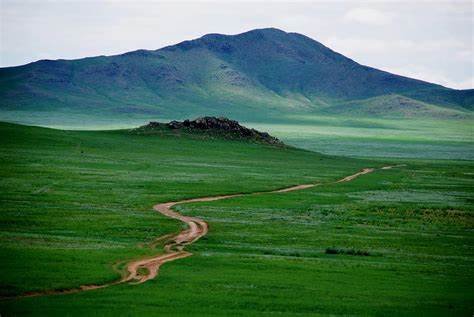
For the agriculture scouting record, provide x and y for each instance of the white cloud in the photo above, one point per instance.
(446, 61)
(367, 16)
(464, 55)
(465, 84)
(432, 76)
(355, 45)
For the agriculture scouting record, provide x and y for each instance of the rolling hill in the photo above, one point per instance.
(264, 73)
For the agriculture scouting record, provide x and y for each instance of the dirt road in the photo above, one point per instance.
(142, 270)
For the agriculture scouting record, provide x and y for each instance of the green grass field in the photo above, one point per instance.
(376, 137)
(354, 136)
(75, 203)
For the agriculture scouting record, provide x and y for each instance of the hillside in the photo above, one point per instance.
(393, 106)
(258, 74)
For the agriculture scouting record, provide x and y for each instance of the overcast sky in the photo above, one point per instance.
(427, 40)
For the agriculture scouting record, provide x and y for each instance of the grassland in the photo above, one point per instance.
(375, 137)
(357, 136)
(71, 195)
(74, 203)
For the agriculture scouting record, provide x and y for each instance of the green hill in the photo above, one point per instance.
(392, 106)
(260, 74)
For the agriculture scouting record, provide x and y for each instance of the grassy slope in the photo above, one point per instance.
(396, 106)
(86, 196)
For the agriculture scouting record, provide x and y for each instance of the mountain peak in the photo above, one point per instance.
(269, 30)
(211, 39)
(264, 31)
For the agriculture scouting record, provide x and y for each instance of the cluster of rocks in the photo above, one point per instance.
(217, 126)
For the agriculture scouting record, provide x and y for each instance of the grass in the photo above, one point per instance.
(347, 251)
(369, 137)
(70, 195)
(374, 137)
(75, 203)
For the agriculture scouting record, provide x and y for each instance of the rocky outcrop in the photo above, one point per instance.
(223, 127)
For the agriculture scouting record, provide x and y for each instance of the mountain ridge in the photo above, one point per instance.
(263, 72)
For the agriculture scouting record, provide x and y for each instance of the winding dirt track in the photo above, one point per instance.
(142, 270)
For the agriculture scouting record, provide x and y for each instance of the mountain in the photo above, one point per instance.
(258, 74)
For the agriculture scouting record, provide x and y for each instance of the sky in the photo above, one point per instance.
(427, 40)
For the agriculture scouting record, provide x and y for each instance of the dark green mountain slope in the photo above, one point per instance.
(261, 73)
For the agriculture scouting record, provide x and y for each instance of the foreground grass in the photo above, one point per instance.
(75, 203)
